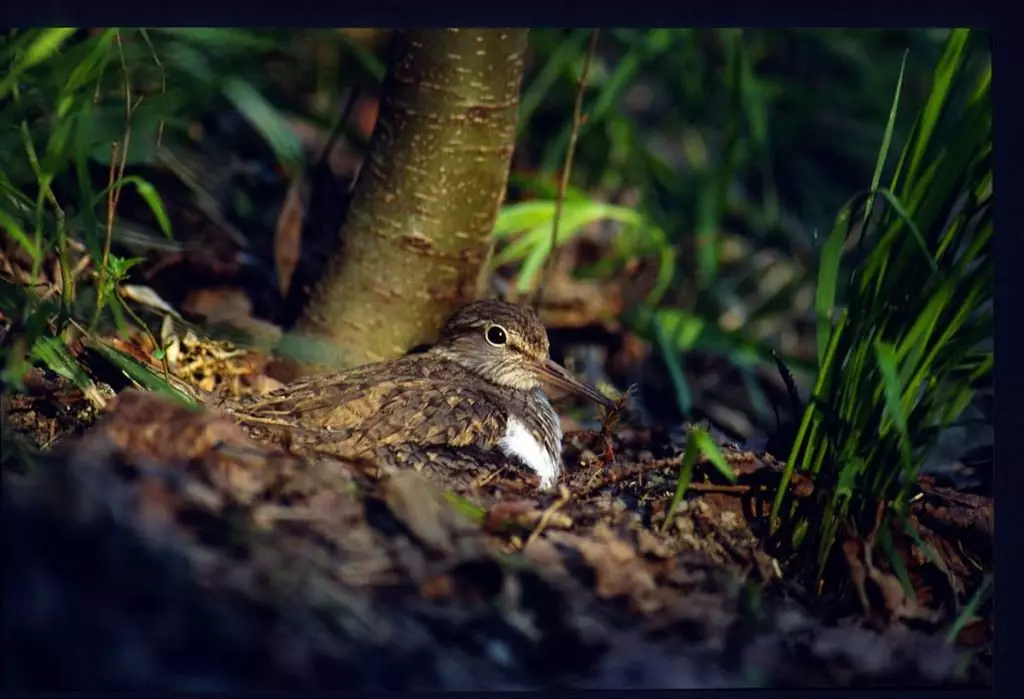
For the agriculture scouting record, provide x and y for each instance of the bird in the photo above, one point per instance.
(475, 396)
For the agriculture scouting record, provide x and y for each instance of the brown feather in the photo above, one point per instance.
(420, 399)
(450, 404)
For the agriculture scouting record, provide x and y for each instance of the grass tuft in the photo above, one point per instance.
(903, 358)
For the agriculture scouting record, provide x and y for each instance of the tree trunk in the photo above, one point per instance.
(414, 244)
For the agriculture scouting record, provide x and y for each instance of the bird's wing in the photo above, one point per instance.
(365, 410)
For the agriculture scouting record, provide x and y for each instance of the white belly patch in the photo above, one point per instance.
(520, 443)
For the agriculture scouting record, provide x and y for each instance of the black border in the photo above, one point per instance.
(1008, 150)
(432, 13)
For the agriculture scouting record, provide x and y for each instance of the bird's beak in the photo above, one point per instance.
(551, 374)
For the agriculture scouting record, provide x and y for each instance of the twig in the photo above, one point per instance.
(111, 206)
(114, 193)
(129, 108)
(489, 477)
(563, 497)
(163, 82)
(566, 169)
(51, 289)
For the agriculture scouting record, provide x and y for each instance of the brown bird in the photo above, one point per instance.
(476, 396)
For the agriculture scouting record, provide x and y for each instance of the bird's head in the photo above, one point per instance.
(508, 346)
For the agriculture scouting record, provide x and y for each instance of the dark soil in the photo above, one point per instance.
(166, 549)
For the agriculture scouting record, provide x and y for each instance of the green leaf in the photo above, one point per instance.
(532, 265)
(519, 217)
(534, 247)
(544, 187)
(155, 203)
(221, 38)
(368, 61)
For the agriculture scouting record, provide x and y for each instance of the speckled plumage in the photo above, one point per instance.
(451, 403)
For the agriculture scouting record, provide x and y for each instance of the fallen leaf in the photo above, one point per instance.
(288, 233)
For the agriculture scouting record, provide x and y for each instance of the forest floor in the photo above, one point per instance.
(164, 547)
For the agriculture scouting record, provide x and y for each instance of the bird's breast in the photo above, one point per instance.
(534, 436)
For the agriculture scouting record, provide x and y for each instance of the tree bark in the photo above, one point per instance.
(417, 235)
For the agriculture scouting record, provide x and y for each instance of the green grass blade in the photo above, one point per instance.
(89, 69)
(139, 374)
(55, 354)
(710, 451)
(266, 120)
(11, 225)
(46, 43)
(883, 152)
(887, 365)
(675, 369)
(949, 65)
(828, 279)
(908, 220)
(148, 193)
(886, 358)
(970, 609)
(686, 466)
(885, 541)
(475, 514)
(698, 443)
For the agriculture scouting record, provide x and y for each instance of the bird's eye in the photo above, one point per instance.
(496, 335)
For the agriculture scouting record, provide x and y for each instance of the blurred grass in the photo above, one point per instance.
(75, 103)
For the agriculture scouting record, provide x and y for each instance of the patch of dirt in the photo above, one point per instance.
(174, 551)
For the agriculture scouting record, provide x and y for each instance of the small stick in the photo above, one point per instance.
(563, 497)
(489, 477)
(566, 169)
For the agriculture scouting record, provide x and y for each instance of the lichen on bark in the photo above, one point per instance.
(417, 235)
